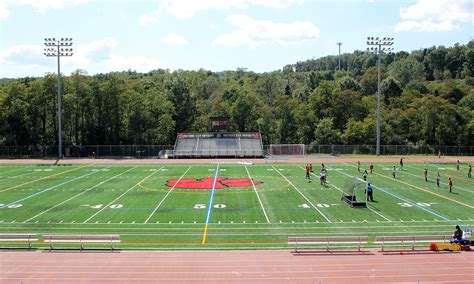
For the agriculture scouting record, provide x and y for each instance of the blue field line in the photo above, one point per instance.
(209, 207)
(45, 190)
(401, 198)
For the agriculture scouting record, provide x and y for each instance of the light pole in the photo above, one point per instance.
(56, 47)
(339, 43)
(378, 46)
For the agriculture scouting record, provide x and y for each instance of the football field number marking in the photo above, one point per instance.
(113, 206)
(203, 206)
(423, 204)
(17, 205)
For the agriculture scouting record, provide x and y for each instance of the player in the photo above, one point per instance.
(438, 177)
(457, 165)
(371, 168)
(323, 166)
(365, 175)
(322, 177)
(450, 184)
(358, 166)
(469, 171)
(425, 173)
(401, 164)
(369, 192)
(393, 171)
(311, 167)
(307, 172)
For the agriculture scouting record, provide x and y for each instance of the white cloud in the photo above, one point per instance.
(174, 39)
(254, 33)
(99, 56)
(435, 15)
(40, 6)
(186, 9)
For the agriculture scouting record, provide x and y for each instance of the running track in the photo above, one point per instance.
(234, 267)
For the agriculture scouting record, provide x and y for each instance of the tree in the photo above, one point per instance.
(407, 70)
(325, 134)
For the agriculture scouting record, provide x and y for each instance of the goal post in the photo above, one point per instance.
(287, 149)
(354, 193)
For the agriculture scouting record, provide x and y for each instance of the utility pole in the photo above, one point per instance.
(56, 48)
(339, 43)
(379, 46)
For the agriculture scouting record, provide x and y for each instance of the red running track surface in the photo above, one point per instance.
(234, 267)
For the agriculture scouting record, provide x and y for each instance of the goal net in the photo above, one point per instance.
(353, 192)
(287, 149)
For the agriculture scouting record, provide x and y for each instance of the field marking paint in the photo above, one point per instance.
(42, 178)
(427, 191)
(164, 198)
(401, 198)
(45, 190)
(71, 198)
(258, 197)
(470, 191)
(22, 168)
(209, 207)
(367, 204)
(113, 201)
(309, 201)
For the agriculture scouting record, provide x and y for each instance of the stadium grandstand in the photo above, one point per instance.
(217, 143)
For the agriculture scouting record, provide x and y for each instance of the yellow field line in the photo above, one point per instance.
(425, 190)
(31, 181)
(204, 234)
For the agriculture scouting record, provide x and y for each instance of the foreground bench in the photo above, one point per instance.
(327, 241)
(81, 239)
(410, 241)
(19, 238)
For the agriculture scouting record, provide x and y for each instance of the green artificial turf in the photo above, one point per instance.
(136, 202)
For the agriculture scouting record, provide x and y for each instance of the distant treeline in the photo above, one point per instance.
(428, 98)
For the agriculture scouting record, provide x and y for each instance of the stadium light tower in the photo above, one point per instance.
(377, 46)
(57, 48)
(339, 43)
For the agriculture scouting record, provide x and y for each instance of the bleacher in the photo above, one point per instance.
(217, 145)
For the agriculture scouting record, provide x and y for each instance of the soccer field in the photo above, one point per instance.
(230, 206)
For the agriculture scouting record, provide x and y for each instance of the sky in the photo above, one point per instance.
(217, 35)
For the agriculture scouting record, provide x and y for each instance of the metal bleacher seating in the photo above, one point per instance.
(208, 145)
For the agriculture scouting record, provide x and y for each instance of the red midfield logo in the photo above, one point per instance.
(206, 183)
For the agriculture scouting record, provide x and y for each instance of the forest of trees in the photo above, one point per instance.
(427, 99)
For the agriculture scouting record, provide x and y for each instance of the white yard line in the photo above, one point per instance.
(57, 205)
(306, 198)
(258, 197)
(164, 198)
(112, 202)
(22, 168)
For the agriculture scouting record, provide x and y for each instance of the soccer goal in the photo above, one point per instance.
(287, 149)
(353, 193)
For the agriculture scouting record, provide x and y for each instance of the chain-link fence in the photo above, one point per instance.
(153, 151)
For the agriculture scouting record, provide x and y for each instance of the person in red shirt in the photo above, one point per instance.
(450, 184)
(426, 174)
(307, 172)
(371, 168)
(311, 167)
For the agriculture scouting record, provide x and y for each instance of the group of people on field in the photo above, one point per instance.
(322, 173)
(365, 175)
